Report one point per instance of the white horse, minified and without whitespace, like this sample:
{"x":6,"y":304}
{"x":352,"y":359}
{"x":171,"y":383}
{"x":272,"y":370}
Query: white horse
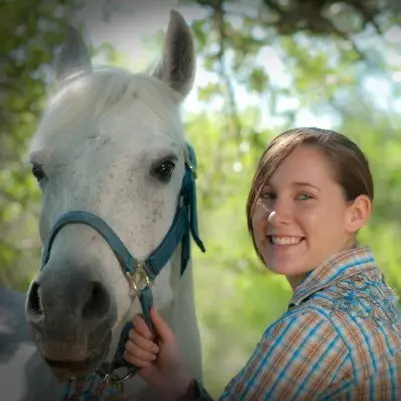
{"x":118,"y":210}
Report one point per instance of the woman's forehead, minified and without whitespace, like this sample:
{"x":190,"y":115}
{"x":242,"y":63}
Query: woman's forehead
{"x":304,"y":166}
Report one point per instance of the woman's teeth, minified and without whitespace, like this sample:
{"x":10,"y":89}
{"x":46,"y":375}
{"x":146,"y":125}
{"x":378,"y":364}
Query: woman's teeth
{"x":285,"y":240}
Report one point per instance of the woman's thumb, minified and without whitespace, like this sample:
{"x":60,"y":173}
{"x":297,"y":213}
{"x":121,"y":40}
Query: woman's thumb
{"x":161,"y":327}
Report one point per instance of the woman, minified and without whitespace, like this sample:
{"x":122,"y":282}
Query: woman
{"x":341,"y":335}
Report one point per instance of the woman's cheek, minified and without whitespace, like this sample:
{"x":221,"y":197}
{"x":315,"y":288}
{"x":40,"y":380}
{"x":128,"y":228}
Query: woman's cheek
{"x":259,"y":221}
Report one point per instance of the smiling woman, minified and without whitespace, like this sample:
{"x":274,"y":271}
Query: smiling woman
{"x":311,"y":194}
{"x":340,"y":337}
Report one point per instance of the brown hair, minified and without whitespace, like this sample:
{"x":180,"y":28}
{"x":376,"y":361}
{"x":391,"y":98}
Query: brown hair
{"x":350,"y":165}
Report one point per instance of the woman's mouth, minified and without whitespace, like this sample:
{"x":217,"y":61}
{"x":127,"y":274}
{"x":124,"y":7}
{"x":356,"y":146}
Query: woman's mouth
{"x":285,"y":240}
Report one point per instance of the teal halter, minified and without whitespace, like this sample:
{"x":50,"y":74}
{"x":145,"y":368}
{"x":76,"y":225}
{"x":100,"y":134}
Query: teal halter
{"x":142,"y":273}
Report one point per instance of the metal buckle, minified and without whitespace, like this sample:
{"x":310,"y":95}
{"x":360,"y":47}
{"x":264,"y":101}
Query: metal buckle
{"x":112,"y":379}
{"x":119,"y":381}
{"x":139,"y":280}
{"x":103,"y":384}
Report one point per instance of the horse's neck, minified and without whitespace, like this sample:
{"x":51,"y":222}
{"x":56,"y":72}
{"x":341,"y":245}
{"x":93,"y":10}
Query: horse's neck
{"x":182,"y":301}
{"x":181,"y":316}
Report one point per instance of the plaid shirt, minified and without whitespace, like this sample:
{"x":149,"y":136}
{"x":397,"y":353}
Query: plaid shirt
{"x":339,"y":340}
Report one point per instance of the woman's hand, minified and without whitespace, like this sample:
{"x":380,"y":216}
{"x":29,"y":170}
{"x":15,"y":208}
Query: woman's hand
{"x":159,"y":359}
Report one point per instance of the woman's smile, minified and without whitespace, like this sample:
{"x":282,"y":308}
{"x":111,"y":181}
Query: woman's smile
{"x":284,"y":240}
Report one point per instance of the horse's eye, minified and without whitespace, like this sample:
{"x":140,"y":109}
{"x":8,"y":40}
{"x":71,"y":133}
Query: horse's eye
{"x":163,"y":170}
{"x":37,"y":171}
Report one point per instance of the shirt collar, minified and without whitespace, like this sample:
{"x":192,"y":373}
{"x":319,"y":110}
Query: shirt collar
{"x":337,"y":267}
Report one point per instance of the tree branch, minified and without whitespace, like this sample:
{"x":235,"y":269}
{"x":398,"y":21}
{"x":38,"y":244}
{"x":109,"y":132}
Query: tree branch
{"x":218,"y":18}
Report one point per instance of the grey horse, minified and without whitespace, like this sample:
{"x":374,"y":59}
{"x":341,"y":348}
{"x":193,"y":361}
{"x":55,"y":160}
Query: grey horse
{"x":118,"y":210}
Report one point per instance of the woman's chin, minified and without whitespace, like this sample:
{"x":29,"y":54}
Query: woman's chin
{"x":287,"y":260}
{"x":289,"y":268}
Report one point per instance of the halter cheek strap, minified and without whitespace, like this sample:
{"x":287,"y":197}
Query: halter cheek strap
{"x":142,"y":273}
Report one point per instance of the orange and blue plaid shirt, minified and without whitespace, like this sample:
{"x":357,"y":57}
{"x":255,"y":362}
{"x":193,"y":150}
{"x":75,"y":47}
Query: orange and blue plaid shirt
{"x":339,"y":340}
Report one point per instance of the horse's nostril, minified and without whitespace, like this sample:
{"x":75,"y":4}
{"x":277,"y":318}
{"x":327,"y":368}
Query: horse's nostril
{"x":98,"y":302}
{"x":34,"y":305}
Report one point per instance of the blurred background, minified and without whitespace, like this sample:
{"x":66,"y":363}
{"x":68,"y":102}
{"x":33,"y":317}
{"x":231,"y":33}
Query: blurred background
{"x":263,"y":66}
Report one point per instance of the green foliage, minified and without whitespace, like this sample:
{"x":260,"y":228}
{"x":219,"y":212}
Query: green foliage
{"x":32,"y":31}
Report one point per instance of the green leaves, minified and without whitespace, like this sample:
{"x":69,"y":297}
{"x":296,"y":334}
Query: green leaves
{"x":32,"y":30}
{"x":258,"y":80}
{"x":210,"y":91}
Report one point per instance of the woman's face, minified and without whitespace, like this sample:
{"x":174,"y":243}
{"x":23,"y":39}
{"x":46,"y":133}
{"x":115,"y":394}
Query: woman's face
{"x":302,"y":217}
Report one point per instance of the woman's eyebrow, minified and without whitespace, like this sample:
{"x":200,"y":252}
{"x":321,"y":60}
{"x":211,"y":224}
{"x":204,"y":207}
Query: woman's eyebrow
{"x":305,"y":184}
{"x":269,"y":185}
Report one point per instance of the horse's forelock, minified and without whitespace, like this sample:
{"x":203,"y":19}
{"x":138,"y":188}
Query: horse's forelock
{"x":100,"y":95}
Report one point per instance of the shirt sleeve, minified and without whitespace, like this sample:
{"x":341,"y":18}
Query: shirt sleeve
{"x":296,"y":359}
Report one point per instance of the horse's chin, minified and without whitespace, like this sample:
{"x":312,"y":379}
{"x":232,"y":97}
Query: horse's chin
{"x":73,"y":369}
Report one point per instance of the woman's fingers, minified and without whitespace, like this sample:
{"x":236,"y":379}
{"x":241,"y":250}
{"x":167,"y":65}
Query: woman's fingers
{"x":142,"y":342}
{"x":140,"y":350}
{"x":161,"y":327}
{"x":141,"y":327}
{"x":140,"y":363}
{"x":134,"y":351}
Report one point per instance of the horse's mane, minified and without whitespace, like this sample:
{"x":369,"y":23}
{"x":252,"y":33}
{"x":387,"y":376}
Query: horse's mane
{"x":106,"y":92}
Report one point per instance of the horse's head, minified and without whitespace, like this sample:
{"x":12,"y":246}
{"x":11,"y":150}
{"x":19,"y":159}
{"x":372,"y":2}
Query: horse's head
{"x":110,"y":143}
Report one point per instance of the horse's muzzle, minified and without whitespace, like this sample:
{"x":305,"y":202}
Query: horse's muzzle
{"x":71,"y":317}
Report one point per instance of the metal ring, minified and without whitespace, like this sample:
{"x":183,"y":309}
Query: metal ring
{"x":116,"y":379}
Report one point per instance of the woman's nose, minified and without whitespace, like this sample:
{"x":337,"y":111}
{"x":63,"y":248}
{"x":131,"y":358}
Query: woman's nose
{"x":280,"y":213}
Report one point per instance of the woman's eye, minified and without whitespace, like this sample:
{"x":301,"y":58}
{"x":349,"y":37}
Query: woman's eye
{"x":38,"y":172}
{"x":163,"y":170}
{"x":267,"y":195}
{"x":304,"y":196}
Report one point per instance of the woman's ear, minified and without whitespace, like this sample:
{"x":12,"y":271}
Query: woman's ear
{"x":358,"y":213}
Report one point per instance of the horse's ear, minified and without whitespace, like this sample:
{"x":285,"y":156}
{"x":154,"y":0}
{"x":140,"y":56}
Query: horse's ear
{"x":73,"y":56}
{"x":178,"y":63}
